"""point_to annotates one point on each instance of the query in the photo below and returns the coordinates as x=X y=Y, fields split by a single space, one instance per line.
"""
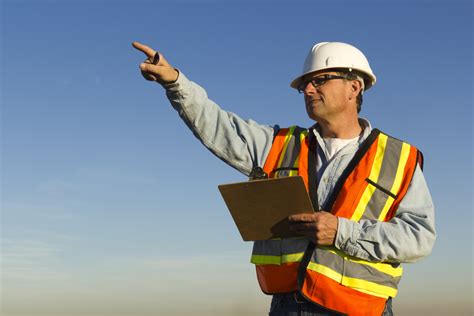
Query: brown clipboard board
x=260 y=208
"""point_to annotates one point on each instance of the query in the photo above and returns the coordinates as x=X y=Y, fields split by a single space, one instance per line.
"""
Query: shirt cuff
x=347 y=234
x=176 y=86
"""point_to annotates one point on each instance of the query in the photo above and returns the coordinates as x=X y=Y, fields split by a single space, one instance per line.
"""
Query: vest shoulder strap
x=363 y=148
x=376 y=179
x=278 y=158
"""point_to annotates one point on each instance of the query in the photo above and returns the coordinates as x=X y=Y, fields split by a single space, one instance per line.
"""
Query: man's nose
x=309 y=89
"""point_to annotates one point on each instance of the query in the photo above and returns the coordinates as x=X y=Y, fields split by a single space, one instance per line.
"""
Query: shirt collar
x=364 y=123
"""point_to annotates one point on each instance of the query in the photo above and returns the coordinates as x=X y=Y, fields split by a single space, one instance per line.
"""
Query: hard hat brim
x=369 y=79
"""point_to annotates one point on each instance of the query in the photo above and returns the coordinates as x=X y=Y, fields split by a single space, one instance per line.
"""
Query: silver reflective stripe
x=278 y=247
x=385 y=180
x=286 y=162
x=390 y=163
x=270 y=247
x=347 y=268
x=291 y=154
x=294 y=245
x=367 y=273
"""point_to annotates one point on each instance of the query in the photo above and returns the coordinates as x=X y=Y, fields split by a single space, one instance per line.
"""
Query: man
x=374 y=207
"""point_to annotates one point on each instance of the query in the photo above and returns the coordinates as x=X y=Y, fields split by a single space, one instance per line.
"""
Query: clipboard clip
x=258 y=174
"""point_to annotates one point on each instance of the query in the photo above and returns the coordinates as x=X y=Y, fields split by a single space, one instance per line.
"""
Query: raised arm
x=243 y=144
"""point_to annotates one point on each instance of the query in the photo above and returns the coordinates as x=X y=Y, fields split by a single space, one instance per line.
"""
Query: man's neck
x=344 y=129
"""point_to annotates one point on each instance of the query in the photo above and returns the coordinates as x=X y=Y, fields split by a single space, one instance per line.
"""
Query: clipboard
x=260 y=208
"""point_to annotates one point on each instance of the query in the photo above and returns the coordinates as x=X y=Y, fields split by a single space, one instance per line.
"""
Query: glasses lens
x=319 y=81
x=302 y=87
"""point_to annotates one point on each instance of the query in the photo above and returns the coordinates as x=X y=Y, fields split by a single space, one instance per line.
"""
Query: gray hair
x=351 y=75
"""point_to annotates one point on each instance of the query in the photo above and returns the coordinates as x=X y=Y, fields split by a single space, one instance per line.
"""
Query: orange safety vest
x=371 y=187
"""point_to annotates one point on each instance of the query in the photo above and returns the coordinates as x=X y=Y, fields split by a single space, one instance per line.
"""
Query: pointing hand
x=160 y=71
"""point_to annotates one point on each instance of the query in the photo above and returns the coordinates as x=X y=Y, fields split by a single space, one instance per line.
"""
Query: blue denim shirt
x=244 y=144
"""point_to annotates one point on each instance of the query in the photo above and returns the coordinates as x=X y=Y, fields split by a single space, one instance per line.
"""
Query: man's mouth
x=311 y=101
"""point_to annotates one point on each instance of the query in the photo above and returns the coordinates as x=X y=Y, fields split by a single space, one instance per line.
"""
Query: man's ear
x=356 y=86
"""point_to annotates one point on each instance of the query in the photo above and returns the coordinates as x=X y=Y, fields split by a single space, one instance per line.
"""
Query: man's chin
x=313 y=110
x=313 y=116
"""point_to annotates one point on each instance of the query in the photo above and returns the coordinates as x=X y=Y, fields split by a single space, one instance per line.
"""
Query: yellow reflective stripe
x=405 y=153
x=371 y=293
x=285 y=145
x=377 y=165
x=386 y=207
x=294 y=257
x=401 y=167
x=330 y=273
x=369 y=286
x=297 y=160
x=264 y=259
x=363 y=202
x=380 y=266
x=259 y=259
x=374 y=176
x=302 y=137
x=356 y=284
x=295 y=165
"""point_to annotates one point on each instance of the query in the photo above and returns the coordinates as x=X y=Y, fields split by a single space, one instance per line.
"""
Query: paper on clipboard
x=260 y=208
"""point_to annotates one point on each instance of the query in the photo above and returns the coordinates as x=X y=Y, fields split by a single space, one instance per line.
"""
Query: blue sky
x=110 y=204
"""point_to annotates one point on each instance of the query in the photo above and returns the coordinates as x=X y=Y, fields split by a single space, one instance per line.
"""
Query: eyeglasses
x=318 y=81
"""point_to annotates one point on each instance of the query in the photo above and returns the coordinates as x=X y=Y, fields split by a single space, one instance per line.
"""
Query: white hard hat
x=330 y=55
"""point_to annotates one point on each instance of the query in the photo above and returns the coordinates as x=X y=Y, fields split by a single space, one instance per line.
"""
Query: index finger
x=150 y=52
x=301 y=218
